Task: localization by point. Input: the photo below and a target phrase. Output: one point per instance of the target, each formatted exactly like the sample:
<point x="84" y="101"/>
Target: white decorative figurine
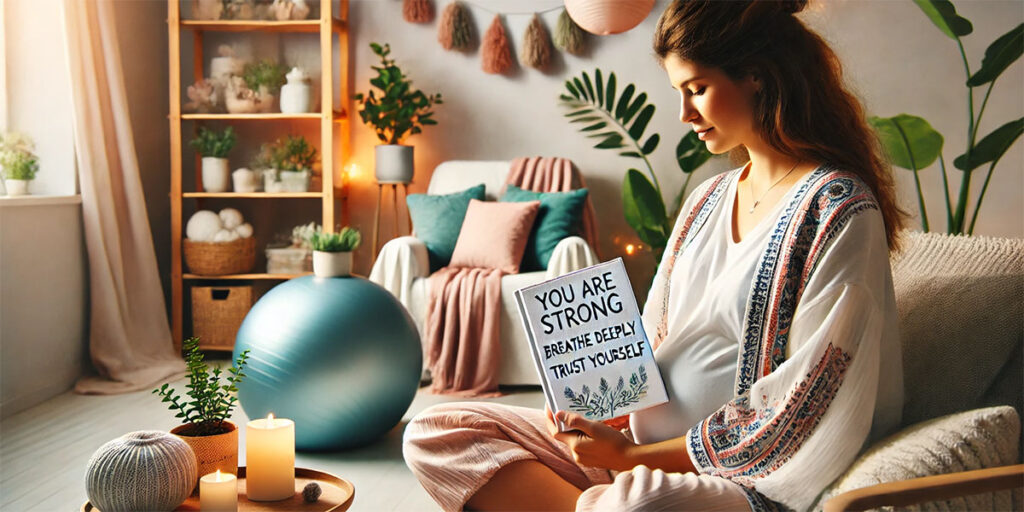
<point x="295" y="94"/>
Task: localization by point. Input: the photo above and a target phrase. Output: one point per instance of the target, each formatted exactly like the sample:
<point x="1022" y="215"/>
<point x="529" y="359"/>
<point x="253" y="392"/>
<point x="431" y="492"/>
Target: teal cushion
<point x="560" y="216"/>
<point x="437" y="220"/>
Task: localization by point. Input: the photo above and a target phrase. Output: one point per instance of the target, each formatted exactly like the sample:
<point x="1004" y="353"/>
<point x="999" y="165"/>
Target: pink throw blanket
<point x="463" y="331"/>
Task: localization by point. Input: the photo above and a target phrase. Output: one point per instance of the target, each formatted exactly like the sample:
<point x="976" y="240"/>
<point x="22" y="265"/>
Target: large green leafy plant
<point x="396" y="110"/>
<point x="913" y="144"/>
<point x="209" y="401"/>
<point x="618" y="122"/>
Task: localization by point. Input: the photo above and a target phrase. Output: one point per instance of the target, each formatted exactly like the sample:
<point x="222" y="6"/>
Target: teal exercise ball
<point x="339" y="356"/>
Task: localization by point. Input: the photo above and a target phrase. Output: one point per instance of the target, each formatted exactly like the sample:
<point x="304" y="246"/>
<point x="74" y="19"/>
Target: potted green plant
<point x="288" y="164"/>
<point x="265" y="77"/>
<point x="395" y="111"/>
<point x="19" y="162"/>
<point x="204" y="413"/>
<point x="332" y="252"/>
<point x="214" y="146"/>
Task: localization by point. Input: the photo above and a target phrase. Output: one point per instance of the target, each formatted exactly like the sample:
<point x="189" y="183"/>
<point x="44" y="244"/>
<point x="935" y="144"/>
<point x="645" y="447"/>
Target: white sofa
<point x="402" y="267"/>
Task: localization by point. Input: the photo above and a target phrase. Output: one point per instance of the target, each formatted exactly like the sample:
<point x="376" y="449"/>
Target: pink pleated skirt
<point x="455" y="448"/>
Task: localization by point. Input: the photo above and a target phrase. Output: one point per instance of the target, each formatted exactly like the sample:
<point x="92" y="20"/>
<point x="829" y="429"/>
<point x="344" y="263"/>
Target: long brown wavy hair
<point x="803" y="109"/>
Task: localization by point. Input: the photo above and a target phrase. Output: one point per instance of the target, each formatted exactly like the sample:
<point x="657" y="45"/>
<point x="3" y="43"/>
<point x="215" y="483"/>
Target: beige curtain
<point x="129" y="336"/>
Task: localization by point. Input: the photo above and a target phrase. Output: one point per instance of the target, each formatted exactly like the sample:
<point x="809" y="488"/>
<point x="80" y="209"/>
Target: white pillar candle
<point x="218" y="492"/>
<point x="270" y="459"/>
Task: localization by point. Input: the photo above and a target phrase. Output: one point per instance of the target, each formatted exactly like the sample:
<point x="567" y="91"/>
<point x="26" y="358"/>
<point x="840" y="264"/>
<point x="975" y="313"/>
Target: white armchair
<point x="402" y="267"/>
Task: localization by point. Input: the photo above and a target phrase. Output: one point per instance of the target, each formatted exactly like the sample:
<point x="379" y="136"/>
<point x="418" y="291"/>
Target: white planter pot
<point x="245" y="180"/>
<point x="332" y="264"/>
<point x="295" y="181"/>
<point x="288" y="182"/>
<point x="17" y="187"/>
<point x="393" y="163"/>
<point x="215" y="174"/>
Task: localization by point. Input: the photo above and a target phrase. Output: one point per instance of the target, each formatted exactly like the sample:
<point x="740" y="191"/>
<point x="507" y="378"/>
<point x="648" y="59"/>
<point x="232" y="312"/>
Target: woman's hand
<point x="593" y="443"/>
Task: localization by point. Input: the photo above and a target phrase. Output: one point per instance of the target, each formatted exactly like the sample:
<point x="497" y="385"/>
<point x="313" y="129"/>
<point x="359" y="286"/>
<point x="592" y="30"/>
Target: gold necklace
<point x="771" y="187"/>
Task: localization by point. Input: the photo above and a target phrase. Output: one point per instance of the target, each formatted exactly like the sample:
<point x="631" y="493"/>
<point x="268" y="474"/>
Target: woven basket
<point x="217" y="313"/>
<point x="220" y="258"/>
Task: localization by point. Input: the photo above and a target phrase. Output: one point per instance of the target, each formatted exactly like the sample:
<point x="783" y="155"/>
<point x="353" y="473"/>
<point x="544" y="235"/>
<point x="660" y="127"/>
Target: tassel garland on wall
<point x="536" y="51"/>
<point x="455" y="32"/>
<point x="497" y="57"/>
<point x="417" y="11"/>
<point x="569" y="36"/>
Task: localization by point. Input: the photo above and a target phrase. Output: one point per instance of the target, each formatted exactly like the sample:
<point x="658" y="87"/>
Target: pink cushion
<point x="494" y="235"/>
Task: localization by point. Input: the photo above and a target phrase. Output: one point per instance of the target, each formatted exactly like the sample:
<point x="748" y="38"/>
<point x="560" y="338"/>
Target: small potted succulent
<point x="332" y="252"/>
<point x="265" y="77"/>
<point x="288" y="164"/>
<point x="214" y="146"/>
<point x="204" y="413"/>
<point x="18" y="161"/>
<point x="396" y="111"/>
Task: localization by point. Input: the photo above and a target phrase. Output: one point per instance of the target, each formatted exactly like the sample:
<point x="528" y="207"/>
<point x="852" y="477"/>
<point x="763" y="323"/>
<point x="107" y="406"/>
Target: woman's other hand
<point x="593" y="443"/>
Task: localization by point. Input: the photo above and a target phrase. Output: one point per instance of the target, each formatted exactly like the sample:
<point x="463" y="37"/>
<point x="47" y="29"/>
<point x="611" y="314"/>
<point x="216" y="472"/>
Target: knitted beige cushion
<point x="960" y="301"/>
<point x="977" y="439"/>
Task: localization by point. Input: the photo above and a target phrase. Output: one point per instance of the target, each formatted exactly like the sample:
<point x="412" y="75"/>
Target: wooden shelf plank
<point x="254" y="195"/>
<point x="245" y="277"/>
<point x="300" y="26"/>
<point x="337" y="115"/>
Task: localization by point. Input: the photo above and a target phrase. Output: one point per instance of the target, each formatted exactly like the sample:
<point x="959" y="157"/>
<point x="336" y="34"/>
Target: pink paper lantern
<point x="604" y="17"/>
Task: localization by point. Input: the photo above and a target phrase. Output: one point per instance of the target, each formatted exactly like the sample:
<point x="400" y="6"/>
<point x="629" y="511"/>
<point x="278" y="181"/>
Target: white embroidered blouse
<point x="778" y="402"/>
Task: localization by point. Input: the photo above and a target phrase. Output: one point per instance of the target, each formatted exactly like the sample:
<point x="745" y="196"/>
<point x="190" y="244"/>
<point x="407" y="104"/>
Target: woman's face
<point x="718" y="108"/>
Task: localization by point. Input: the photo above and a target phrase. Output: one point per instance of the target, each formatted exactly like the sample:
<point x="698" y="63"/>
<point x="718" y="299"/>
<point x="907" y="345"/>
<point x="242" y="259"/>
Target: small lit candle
<point x="270" y="459"/>
<point x="218" y="492"/>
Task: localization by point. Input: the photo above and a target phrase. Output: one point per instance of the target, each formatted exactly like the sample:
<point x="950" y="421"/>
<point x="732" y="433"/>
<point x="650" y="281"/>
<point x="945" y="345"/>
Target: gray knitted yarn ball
<point x="145" y="470"/>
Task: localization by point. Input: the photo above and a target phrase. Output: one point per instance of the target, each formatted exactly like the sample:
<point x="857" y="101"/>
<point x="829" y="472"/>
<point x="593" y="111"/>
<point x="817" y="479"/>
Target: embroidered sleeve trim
<point x="819" y="210"/>
<point x="745" y="444"/>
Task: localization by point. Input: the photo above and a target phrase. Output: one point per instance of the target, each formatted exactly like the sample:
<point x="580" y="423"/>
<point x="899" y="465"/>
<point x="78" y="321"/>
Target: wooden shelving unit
<point x="331" y="27"/>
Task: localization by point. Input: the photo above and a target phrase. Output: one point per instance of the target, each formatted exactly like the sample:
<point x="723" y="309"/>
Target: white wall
<point x="43" y="294"/>
<point x="896" y="60"/>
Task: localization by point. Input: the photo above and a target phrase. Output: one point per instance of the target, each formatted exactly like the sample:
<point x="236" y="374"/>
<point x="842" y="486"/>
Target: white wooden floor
<point x="44" y="450"/>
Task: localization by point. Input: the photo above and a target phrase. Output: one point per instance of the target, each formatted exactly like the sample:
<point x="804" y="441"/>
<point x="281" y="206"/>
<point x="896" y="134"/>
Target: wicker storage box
<point x="217" y="313"/>
<point x="220" y="258"/>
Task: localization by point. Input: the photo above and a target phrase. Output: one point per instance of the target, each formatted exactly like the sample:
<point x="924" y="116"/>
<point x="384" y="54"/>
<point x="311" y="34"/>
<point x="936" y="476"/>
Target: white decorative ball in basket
<point x="144" y="470"/>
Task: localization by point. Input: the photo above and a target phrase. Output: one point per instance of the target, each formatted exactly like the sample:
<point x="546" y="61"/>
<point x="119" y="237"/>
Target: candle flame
<point x="270" y="420"/>
<point x="218" y="475"/>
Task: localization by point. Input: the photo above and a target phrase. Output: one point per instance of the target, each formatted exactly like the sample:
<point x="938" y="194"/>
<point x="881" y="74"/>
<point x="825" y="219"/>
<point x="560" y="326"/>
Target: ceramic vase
<point x="17" y="187"/>
<point x="214" y="452"/>
<point x="244" y="180"/>
<point x="393" y="163"/>
<point x="295" y="95"/>
<point x="215" y="174"/>
<point x="145" y="470"/>
<point x="332" y="264"/>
